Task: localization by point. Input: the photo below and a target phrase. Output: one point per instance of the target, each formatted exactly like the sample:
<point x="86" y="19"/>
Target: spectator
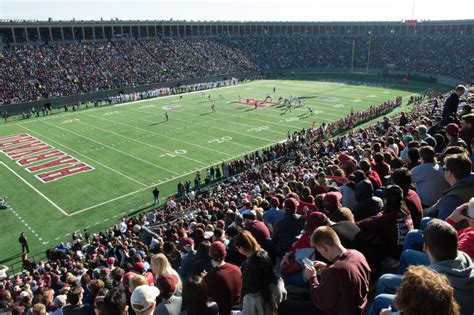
<point x="402" y="178"/>
<point x="258" y="229"/>
<point x="75" y="306"/>
<point x="441" y="247"/>
<point x="195" y="298"/>
<point x="428" y="177"/>
<point x="348" y="270"/>
<point x="372" y="175"/>
<point x="467" y="129"/>
<point x="452" y="134"/>
<point x="39" y="309"/>
<point x="262" y="289"/>
<point x="367" y="204"/>
<point x="171" y="304"/>
<point x="188" y="258"/>
<point x="273" y="214"/>
<point x="161" y="266"/>
<point x="451" y="105"/>
<point x="392" y="224"/>
<point x="202" y="263"/>
<point x="115" y="303"/>
<point x="287" y="228"/>
<point x="425" y="291"/>
<point x="333" y="207"/>
<point x="143" y="299"/>
<point x="457" y="173"/>
<point x="224" y="280"/>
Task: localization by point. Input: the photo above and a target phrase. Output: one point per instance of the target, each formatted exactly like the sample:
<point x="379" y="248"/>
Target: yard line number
<point x="174" y="154"/>
<point x="220" y="140"/>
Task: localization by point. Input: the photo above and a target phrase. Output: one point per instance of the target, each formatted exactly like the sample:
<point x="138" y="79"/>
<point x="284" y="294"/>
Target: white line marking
<point x="36" y="190"/>
<point x="81" y="154"/>
<point x="101" y="108"/>
<point x="161" y="134"/>
<point x="120" y="151"/>
<point x="164" y="182"/>
<point x="143" y="143"/>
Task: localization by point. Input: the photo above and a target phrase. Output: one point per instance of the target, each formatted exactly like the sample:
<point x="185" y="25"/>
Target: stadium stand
<point x="303" y="179"/>
<point x="355" y="199"/>
<point x="40" y="72"/>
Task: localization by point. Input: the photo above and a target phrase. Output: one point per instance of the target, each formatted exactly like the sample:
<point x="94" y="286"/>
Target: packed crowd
<point x="32" y="73"/>
<point x="306" y="227"/>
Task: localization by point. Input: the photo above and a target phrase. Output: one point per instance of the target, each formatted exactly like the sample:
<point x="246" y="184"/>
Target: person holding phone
<point x="348" y="269"/>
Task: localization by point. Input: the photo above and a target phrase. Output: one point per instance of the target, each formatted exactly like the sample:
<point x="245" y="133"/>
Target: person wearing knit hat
<point x="452" y="133"/>
<point x="224" y="281"/>
<point x="258" y="229"/>
<point x="333" y="205"/>
<point x="188" y="258"/>
<point x="171" y="304"/>
<point x="287" y="227"/>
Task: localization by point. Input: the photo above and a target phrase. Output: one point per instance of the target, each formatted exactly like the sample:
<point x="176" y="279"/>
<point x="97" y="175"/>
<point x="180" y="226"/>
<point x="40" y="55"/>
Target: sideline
<point x="36" y="190"/>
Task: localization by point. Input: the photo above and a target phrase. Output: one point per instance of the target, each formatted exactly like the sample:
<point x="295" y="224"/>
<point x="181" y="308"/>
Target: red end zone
<point x="253" y="101"/>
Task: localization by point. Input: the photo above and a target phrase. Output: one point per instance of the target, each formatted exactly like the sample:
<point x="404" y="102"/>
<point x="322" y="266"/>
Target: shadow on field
<point x="157" y="123"/>
<point x="250" y="109"/>
<point x="10" y="258"/>
<point x="205" y="114"/>
<point x="137" y="211"/>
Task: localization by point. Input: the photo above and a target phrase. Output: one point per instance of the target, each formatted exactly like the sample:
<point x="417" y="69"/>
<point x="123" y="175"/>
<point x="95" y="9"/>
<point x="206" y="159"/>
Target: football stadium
<point x="236" y="167"/>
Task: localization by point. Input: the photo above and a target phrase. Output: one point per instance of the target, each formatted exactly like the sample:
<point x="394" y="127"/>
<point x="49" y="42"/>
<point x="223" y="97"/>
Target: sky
<point x="242" y="10"/>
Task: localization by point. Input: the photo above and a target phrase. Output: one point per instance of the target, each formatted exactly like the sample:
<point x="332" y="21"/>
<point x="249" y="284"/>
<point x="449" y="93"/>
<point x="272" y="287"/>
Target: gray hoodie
<point x="460" y="273"/>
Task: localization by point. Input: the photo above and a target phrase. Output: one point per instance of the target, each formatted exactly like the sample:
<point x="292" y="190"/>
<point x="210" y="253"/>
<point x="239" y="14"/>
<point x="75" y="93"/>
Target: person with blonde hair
<point x="424" y="291"/>
<point x="160" y="266"/>
<point x="39" y="309"/>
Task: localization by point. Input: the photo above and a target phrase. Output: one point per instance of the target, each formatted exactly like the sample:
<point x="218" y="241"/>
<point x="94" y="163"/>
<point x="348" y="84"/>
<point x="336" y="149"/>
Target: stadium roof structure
<point x="21" y="32"/>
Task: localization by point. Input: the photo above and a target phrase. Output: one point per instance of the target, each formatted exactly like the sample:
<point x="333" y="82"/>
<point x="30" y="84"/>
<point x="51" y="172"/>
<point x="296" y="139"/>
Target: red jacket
<point x="465" y="239"/>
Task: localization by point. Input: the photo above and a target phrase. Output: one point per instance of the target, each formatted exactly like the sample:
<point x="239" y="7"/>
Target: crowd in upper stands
<point x="40" y="72"/>
<point x="363" y="208"/>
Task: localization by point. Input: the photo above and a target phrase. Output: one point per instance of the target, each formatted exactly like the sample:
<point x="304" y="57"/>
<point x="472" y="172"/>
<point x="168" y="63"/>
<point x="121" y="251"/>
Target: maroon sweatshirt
<point x="392" y="226"/>
<point x="343" y="286"/>
<point x="224" y="284"/>
<point x="413" y="202"/>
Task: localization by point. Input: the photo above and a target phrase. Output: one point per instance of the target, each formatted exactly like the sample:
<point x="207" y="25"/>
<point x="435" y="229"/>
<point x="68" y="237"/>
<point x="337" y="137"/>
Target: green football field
<point x="125" y="150"/>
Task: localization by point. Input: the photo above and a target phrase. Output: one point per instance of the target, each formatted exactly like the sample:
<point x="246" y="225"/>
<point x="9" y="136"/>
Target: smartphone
<point x="307" y="262"/>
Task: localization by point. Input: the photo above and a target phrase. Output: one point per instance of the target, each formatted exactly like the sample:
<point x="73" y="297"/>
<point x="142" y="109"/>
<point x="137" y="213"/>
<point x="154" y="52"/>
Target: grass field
<point x="132" y="148"/>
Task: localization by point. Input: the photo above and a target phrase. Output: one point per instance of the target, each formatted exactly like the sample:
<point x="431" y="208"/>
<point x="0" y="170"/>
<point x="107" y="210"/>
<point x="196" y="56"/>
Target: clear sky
<point x="242" y="10"/>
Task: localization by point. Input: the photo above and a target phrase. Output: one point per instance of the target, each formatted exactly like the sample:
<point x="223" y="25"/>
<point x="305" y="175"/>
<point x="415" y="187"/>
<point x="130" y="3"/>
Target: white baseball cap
<point x="143" y="297"/>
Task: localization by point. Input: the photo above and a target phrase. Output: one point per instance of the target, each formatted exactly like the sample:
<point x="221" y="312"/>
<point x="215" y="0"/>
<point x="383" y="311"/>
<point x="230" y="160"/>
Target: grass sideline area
<point x="130" y="148"/>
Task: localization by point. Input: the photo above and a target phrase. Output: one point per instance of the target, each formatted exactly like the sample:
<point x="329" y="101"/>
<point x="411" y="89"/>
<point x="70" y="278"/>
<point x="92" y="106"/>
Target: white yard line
<point x="104" y="107"/>
<point x="141" y="142"/>
<point x="163" y="182"/>
<point x="36" y="190"/>
<point x="206" y="122"/>
<point x="30" y="229"/>
<point x="223" y="130"/>
<point x="87" y="157"/>
<point x="112" y="148"/>
<point x="161" y="135"/>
